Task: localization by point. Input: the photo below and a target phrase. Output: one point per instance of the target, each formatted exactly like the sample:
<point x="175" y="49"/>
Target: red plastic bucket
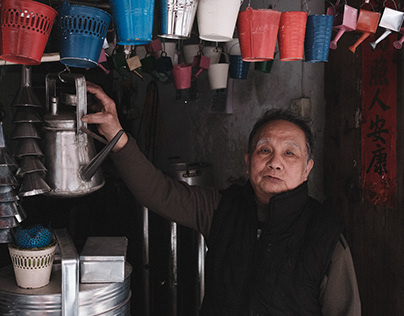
<point x="25" y="29"/>
<point x="292" y="30"/>
<point x="258" y="32"/>
<point x="182" y="74"/>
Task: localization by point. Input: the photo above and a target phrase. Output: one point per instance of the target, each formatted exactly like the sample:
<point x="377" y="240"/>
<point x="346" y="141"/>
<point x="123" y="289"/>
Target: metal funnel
<point x="21" y="214"/>
<point x="6" y="188"/>
<point x="8" y="222"/>
<point x="26" y="115"/>
<point x="26" y="95"/>
<point x="33" y="184"/>
<point x="7" y="178"/>
<point x="8" y="209"/>
<point x="29" y="164"/>
<point x="10" y="196"/>
<point x="25" y="130"/>
<point x="28" y="146"/>
<point x="7" y="159"/>
<point x="6" y="235"/>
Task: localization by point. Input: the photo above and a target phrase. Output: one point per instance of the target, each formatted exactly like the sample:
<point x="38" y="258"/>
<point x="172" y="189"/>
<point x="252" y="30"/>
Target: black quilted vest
<point x="278" y="273"/>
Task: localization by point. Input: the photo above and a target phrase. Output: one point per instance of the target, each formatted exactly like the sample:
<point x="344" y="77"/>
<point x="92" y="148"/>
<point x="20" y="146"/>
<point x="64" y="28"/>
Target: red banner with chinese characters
<point x="378" y="131"/>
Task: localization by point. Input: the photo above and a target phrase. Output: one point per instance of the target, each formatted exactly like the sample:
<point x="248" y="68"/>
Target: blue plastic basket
<point x="318" y="37"/>
<point x="133" y="20"/>
<point x="238" y="68"/>
<point x="82" y="33"/>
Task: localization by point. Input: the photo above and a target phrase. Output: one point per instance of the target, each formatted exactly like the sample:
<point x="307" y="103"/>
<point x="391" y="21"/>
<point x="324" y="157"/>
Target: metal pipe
<point x="146" y="260"/>
<point x="173" y="267"/>
<point x="201" y="271"/>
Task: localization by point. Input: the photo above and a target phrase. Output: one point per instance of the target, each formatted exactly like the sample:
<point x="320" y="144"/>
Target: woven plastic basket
<point x="32" y="267"/>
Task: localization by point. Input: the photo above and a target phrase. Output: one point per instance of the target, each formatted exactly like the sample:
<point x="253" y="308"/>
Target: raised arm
<point x="106" y="118"/>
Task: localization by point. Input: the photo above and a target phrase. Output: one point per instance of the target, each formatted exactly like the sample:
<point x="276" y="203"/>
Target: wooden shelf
<point x="46" y="58"/>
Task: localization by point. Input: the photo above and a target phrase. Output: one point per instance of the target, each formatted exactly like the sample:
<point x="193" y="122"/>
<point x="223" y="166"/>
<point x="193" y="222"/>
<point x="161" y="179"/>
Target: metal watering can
<point x="70" y="155"/>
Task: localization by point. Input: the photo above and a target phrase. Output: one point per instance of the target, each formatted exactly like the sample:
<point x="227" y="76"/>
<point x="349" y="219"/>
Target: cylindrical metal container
<point x="107" y="299"/>
<point x="196" y="173"/>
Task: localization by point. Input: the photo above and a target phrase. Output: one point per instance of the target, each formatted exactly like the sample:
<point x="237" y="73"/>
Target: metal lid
<point x="104" y="249"/>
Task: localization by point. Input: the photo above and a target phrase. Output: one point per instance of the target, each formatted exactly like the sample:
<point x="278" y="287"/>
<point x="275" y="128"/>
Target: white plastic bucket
<point x="217" y="19"/>
<point x="32" y="267"/>
<point x="217" y="75"/>
<point x="233" y="47"/>
<point x="190" y="51"/>
<point x="213" y="53"/>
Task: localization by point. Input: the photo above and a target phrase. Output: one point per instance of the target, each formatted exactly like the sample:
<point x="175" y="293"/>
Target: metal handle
<point x="70" y="273"/>
<point x="88" y="171"/>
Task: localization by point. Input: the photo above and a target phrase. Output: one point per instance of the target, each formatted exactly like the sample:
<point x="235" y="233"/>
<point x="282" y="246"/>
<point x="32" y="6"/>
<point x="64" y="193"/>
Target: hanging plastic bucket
<point x="82" y="33"/>
<point x="213" y="53"/>
<point x="264" y="66"/>
<point x="133" y="20"/>
<point x="218" y="75"/>
<point x="25" y="28"/>
<point x="233" y="47"/>
<point x="177" y="18"/>
<point x="318" y="37"/>
<point x="182" y="74"/>
<point x="292" y="29"/>
<point x="217" y="19"/>
<point x="258" y="32"/>
<point x="238" y="68"/>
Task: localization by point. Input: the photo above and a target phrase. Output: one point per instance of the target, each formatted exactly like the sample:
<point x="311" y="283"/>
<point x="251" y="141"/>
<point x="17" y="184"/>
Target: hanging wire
<point x="67" y="69"/>
<point x="306" y="5"/>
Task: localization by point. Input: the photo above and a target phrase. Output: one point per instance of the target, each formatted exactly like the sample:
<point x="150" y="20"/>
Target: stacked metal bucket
<point x="11" y="212"/>
<point x="27" y="118"/>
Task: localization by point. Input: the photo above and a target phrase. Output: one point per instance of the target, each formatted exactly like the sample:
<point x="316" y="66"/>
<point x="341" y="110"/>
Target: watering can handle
<point x="89" y="170"/>
<point x="395" y="5"/>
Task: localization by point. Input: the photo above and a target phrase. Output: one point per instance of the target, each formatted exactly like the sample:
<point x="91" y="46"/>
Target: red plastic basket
<point x="25" y="29"/>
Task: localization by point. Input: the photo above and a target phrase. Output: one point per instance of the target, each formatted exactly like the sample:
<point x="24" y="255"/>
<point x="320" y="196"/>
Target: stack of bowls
<point x="28" y="151"/>
<point x="11" y="212"/>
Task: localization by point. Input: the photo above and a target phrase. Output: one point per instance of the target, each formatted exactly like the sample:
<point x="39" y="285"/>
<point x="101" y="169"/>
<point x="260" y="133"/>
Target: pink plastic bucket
<point x="182" y="76"/>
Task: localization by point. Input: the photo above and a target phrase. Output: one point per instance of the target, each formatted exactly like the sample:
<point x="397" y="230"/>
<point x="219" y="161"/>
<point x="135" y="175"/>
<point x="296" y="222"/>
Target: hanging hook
<point x="67" y="69"/>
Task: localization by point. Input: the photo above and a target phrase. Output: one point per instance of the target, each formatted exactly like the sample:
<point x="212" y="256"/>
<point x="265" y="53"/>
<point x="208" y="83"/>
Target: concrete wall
<point x="194" y="133"/>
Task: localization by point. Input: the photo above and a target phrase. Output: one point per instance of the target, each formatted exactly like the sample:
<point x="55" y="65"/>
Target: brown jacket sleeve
<point x="191" y="206"/>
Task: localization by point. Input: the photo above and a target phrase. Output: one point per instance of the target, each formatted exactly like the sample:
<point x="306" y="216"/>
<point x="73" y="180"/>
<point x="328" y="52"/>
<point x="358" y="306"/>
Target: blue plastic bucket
<point x="238" y="68"/>
<point x="318" y="38"/>
<point x="82" y="33"/>
<point x="133" y="20"/>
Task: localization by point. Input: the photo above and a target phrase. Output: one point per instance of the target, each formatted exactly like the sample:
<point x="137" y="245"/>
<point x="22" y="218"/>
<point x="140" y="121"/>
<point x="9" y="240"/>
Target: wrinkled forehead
<point x="287" y="143"/>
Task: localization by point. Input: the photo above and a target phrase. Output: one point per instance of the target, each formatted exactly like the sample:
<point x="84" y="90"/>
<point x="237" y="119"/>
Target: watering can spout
<point x="359" y="41"/>
<point x="382" y="37"/>
<point x="333" y="43"/>
<point x="91" y="168"/>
